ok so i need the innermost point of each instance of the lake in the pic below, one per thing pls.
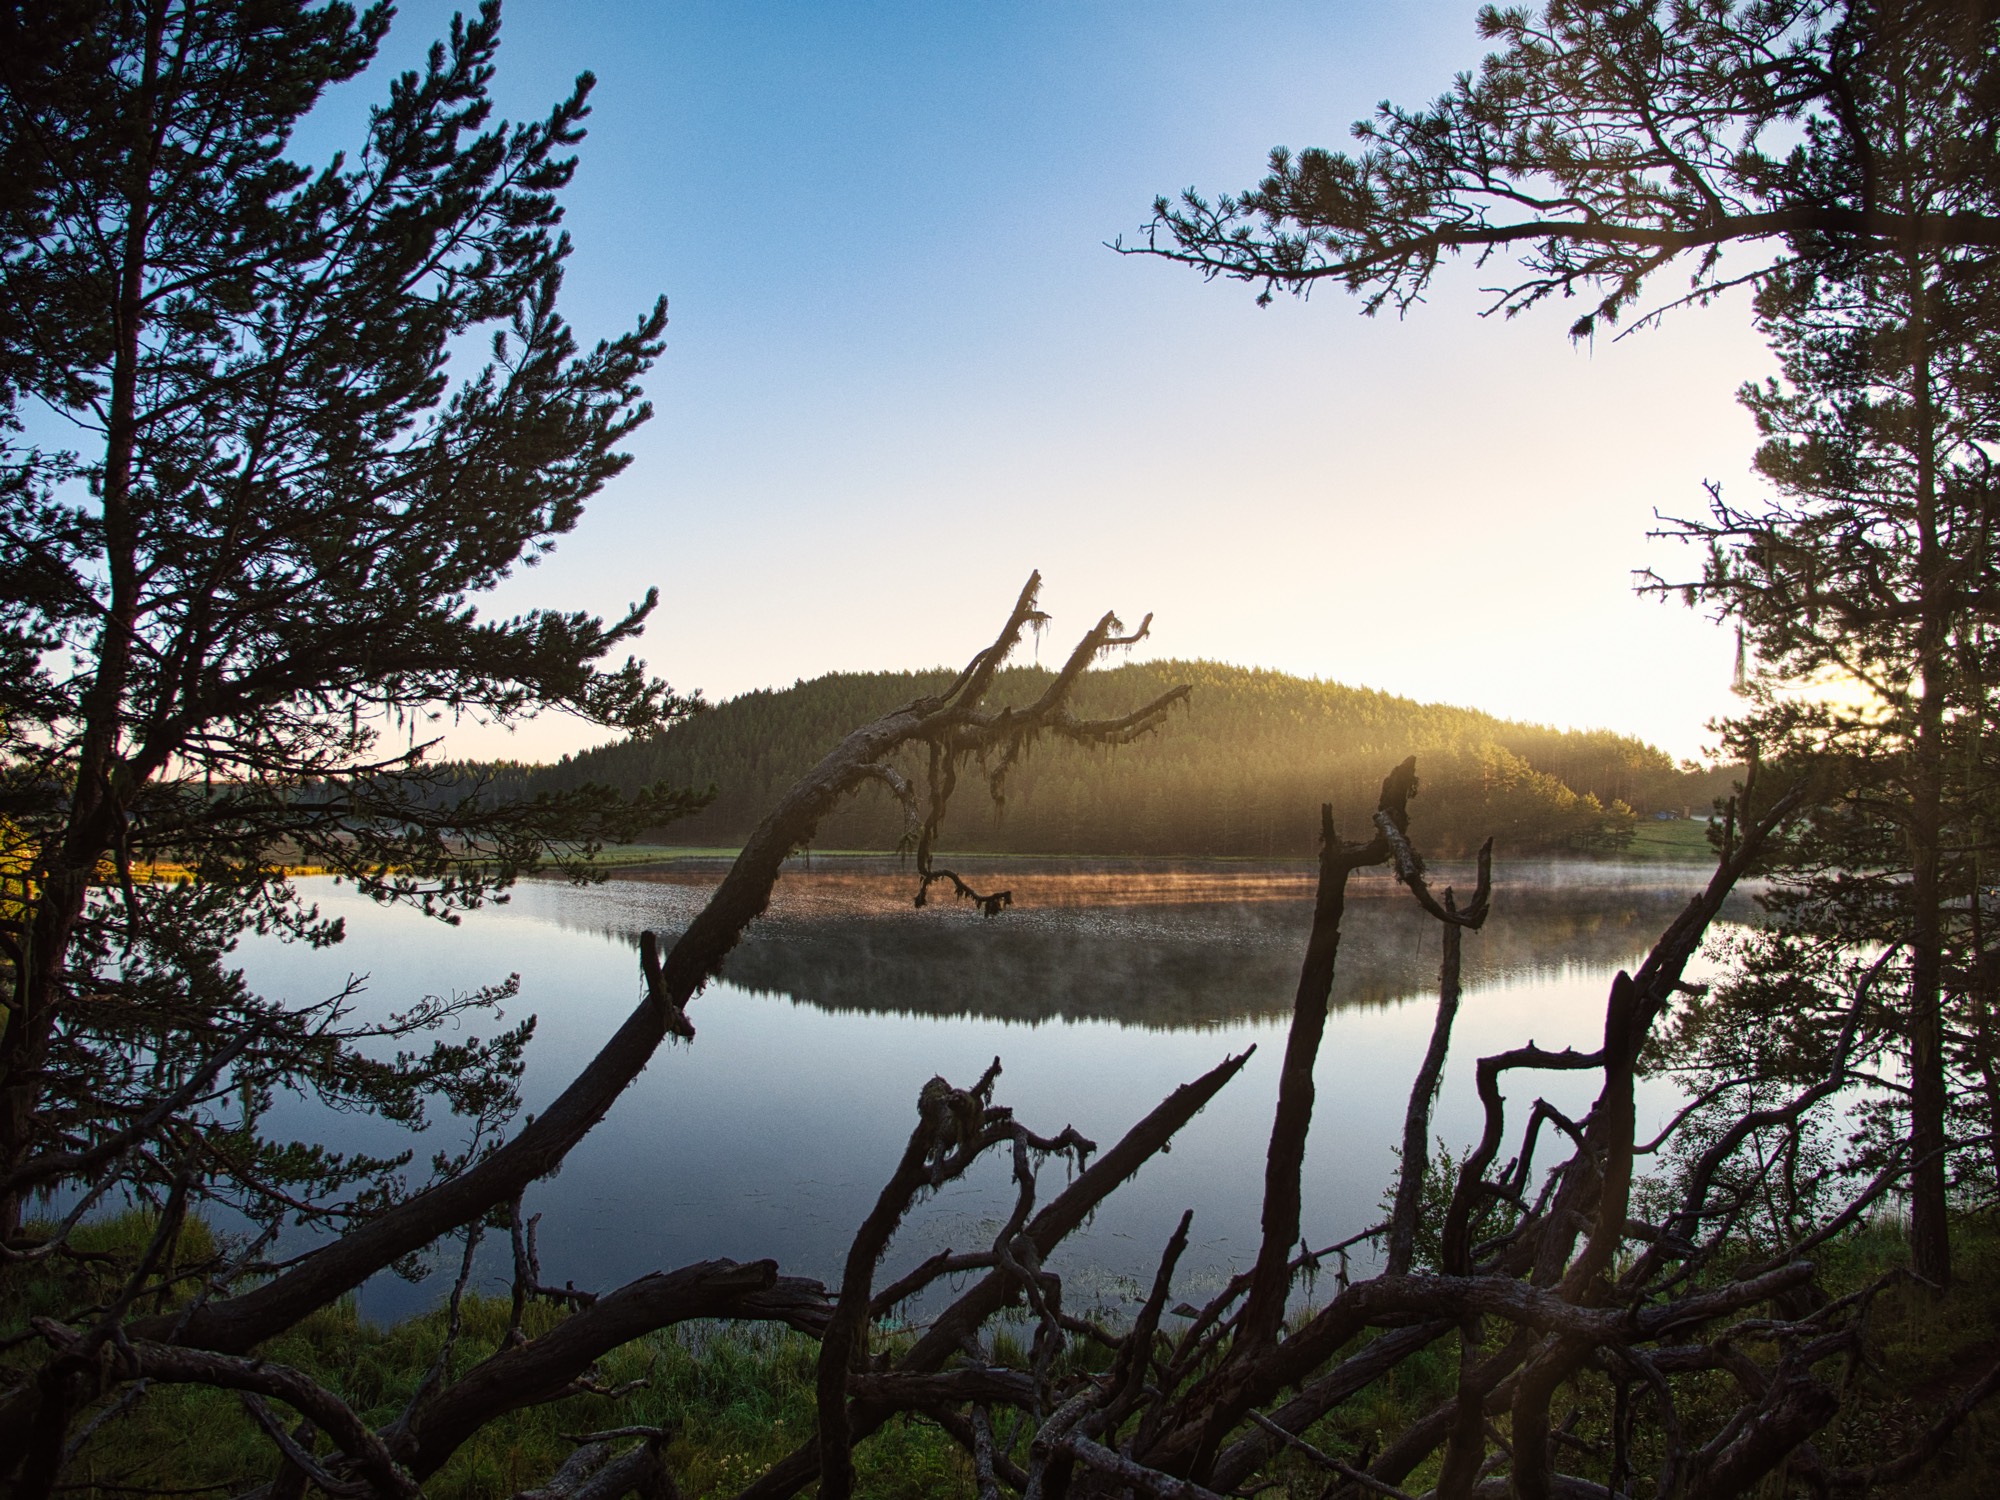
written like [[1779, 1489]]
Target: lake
[[1104, 987]]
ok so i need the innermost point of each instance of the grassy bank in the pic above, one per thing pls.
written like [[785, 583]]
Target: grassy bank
[[1678, 841], [738, 1398]]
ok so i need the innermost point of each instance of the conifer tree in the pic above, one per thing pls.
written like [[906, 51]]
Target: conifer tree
[[268, 429], [1867, 576], [1840, 155]]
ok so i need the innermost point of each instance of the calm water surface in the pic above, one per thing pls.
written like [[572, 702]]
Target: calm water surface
[[1100, 991]]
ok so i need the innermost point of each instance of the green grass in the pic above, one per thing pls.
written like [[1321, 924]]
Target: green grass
[[646, 854], [1680, 841], [1923, 1351], [740, 1397]]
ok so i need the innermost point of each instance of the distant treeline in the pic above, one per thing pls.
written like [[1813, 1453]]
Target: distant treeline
[[1242, 770]]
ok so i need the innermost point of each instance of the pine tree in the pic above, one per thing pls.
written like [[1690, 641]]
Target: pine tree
[[1869, 570], [1845, 150], [235, 582]]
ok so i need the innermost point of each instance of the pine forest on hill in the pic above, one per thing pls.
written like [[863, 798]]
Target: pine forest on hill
[[1240, 771]]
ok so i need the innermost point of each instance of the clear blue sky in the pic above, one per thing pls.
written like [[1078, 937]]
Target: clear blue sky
[[903, 370]]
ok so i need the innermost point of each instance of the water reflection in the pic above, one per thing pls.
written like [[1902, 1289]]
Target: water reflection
[[1102, 990], [1142, 947]]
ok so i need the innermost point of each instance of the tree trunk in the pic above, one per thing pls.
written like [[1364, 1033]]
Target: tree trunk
[[1930, 1238], [1270, 1282], [94, 811]]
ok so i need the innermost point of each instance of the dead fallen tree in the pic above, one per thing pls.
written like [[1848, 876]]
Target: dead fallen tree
[[1540, 1279]]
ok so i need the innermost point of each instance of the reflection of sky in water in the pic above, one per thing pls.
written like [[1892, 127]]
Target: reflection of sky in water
[[770, 1134]]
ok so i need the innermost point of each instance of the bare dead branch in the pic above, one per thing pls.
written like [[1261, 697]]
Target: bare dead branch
[[534, 1371], [142, 1359], [672, 980], [1327, 1461]]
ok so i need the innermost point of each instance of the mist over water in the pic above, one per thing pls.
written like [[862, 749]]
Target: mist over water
[[1102, 989]]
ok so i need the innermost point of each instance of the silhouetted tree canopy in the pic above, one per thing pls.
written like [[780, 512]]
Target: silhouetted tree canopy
[[1602, 142], [1845, 149], [286, 422]]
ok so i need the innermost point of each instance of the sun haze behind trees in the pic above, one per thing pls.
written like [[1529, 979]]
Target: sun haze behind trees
[[1840, 157], [309, 412], [1235, 775]]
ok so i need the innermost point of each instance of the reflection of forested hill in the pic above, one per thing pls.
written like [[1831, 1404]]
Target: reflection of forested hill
[[1158, 959], [1241, 772], [1146, 969]]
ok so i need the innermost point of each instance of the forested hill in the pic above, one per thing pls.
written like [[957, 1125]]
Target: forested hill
[[1241, 770]]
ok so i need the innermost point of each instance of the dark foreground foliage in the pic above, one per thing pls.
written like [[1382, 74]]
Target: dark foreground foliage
[[736, 1399]]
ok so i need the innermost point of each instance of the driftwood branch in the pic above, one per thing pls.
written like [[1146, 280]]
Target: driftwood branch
[[958, 719], [544, 1369], [1415, 1160]]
